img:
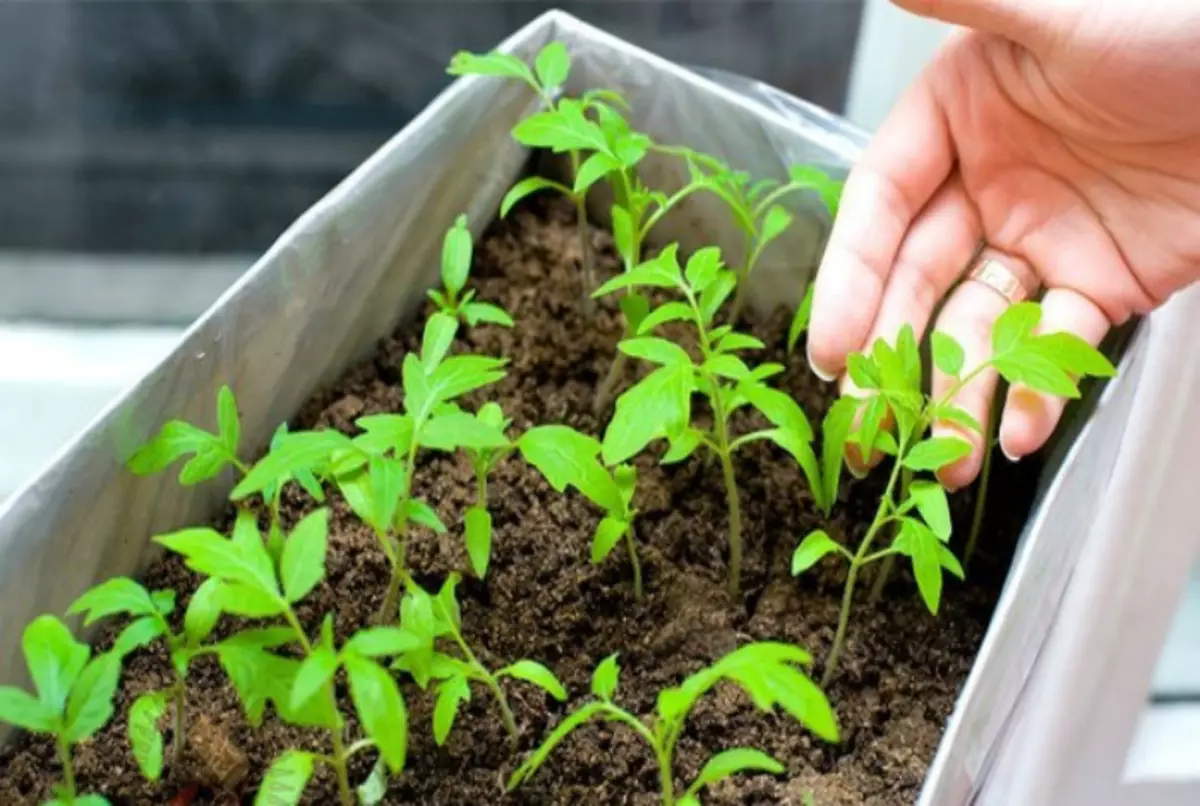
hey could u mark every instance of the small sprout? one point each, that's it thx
(568, 458)
(891, 378)
(451, 300)
(478, 520)
(73, 700)
(770, 673)
(211, 453)
(659, 406)
(424, 619)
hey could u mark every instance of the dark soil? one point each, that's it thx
(900, 675)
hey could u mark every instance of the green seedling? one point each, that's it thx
(425, 621)
(73, 700)
(568, 458)
(659, 406)
(374, 470)
(755, 206)
(890, 378)
(771, 674)
(246, 581)
(457, 251)
(210, 453)
(484, 459)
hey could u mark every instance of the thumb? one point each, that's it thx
(1027, 22)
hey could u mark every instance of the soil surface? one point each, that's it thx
(542, 599)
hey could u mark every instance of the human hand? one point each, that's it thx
(1065, 135)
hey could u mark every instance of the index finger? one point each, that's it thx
(906, 162)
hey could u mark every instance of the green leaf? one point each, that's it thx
(947, 353)
(953, 414)
(380, 708)
(487, 313)
(560, 130)
(920, 544)
(526, 187)
(55, 660)
(726, 366)
(1037, 372)
(827, 188)
(552, 65)
(835, 430)
(625, 239)
(303, 563)
(300, 451)
(682, 446)
(636, 308)
(593, 169)
(478, 536)
(930, 500)
(656, 407)
(738, 341)
(203, 611)
(874, 411)
(386, 485)
(715, 294)
(1014, 326)
(948, 561)
(669, 312)
(90, 704)
(453, 430)
(1074, 355)
(372, 791)
(315, 673)
(543, 751)
(386, 432)
(174, 440)
(800, 449)
(284, 783)
(503, 65)
(604, 678)
(137, 635)
(703, 267)
(460, 374)
(568, 458)
(776, 221)
(447, 604)
(243, 600)
(437, 339)
(377, 642)
(812, 549)
(800, 319)
(117, 595)
(936, 452)
(608, 533)
(228, 423)
(729, 762)
(534, 672)
(779, 408)
(25, 711)
(863, 371)
(450, 694)
(456, 256)
(659, 351)
(661, 271)
(144, 736)
(417, 511)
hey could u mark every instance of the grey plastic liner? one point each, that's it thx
(356, 264)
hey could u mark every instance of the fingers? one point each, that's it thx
(1029, 22)
(1030, 417)
(907, 161)
(968, 317)
(937, 249)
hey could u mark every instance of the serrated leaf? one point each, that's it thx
(144, 737)
(450, 694)
(703, 267)
(815, 546)
(930, 500)
(453, 430)
(779, 408)
(478, 537)
(682, 446)
(561, 130)
(437, 339)
(90, 704)
(1037, 372)
(669, 312)
(659, 351)
(300, 451)
(593, 169)
(863, 372)
(460, 374)
(23, 710)
(117, 595)
(315, 673)
(604, 678)
(1014, 326)
(284, 783)
(552, 65)
(568, 458)
(729, 762)
(936, 453)
(417, 511)
(534, 672)
(503, 65)
(486, 313)
(608, 533)
(386, 432)
(526, 187)
(303, 563)
(656, 407)
(54, 658)
(1073, 354)
(175, 439)
(380, 708)
(138, 634)
(661, 271)
(947, 353)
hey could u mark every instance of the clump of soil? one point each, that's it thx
(900, 674)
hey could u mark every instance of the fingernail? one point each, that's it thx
(820, 373)
(1008, 455)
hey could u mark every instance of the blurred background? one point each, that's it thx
(151, 149)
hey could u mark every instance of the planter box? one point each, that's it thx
(1025, 730)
